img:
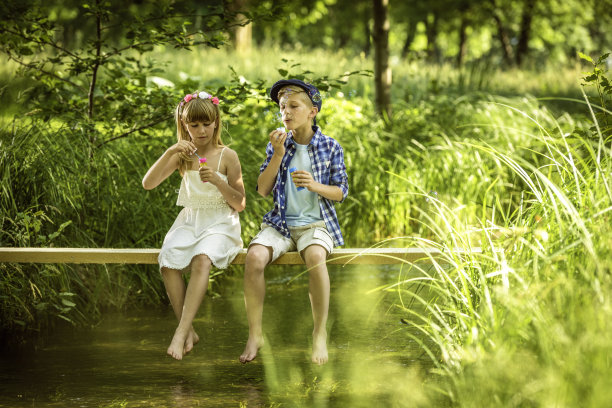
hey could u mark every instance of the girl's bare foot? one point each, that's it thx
(252, 347)
(177, 345)
(192, 339)
(319, 348)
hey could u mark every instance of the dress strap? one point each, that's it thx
(220, 158)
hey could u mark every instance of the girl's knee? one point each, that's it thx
(170, 272)
(201, 262)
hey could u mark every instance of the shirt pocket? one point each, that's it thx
(321, 172)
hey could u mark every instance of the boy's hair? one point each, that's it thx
(289, 89)
(297, 85)
(196, 110)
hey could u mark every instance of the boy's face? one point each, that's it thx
(296, 112)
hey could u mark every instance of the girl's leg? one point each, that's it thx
(175, 287)
(196, 289)
(256, 260)
(318, 290)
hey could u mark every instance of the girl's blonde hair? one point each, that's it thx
(196, 110)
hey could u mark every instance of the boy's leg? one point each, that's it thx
(258, 256)
(196, 289)
(318, 291)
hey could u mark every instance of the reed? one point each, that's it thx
(524, 323)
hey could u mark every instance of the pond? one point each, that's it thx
(122, 361)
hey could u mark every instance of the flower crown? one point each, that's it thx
(200, 95)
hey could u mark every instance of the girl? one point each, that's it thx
(207, 230)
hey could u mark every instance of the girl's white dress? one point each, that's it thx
(206, 225)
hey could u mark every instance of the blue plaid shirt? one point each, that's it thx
(327, 159)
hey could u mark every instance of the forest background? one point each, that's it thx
(465, 123)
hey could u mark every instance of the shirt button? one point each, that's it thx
(285, 168)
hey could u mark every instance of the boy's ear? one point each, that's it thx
(316, 110)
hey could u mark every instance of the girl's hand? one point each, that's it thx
(185, 147)
(277, 138)
(302, 178)
(208, 174)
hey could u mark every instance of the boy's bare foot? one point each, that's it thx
(177, 346)
(192, 339)
(319, 348)
(252, 347)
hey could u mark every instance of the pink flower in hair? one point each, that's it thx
(188, 97)
(215, 100)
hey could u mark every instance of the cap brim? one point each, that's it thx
(279, 84)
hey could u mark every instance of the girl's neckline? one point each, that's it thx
(216, 171)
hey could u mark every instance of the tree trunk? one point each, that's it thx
(462, 41)
(241, 33)
(410, 34)
(368, 34)
(504, 39)
(522, 48)
(382, 71)
(431, 29)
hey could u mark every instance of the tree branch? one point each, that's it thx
(53, 44)
(41, 70)
(94, 74)
(148, 125)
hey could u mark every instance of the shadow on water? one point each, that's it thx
(122, 361)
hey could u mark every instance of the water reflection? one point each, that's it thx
(122, 362)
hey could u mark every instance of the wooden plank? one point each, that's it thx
(371, 256)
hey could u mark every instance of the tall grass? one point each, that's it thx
(527, 322)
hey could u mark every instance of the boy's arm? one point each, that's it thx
(330, 192)
(337, 190)
(338, 176)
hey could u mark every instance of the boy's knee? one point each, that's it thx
(257, 257)
(314, 255)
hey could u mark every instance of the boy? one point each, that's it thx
(303, 216)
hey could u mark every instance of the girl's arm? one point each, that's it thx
(233, 190)
(166, 164)
(267, 178)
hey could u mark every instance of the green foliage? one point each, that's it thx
(526, 318)
(104, 86)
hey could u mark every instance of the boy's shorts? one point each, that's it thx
(301, 238)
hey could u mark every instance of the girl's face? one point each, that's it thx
(295, 112)
(201, 133)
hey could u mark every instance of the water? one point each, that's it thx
(122, 361)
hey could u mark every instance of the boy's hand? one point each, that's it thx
(277, 138)
(302, 178)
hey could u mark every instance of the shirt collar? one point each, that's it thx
(314, 141)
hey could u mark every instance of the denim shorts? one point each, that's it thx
(301, 238)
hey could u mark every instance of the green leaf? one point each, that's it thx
(68, 303)
(585, 57)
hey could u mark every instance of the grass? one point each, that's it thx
(526, 324)
(472, 159)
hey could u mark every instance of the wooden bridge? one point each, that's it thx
(342, 256)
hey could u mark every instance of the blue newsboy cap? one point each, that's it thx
(311, 91)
